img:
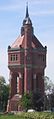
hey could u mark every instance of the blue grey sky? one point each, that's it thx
(12, 13)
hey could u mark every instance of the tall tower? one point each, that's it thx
(26, 62)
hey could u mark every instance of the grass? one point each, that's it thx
(34, 115)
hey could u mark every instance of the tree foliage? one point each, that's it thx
(4, 93)
(49, 93)
(26, 101)
(32, 100)
(49, 85)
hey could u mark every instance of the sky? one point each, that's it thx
(12, 13)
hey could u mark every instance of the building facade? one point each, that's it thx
(26, 62)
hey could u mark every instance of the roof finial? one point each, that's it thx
(27, 15)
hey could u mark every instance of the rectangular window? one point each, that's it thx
(11, 57)
(41, 57)
(14, 57)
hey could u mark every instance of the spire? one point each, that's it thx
(27, 18)
(27, 14)
(27, 21)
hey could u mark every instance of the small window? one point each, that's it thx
(11, 57)
(41, 57)
(14, 57)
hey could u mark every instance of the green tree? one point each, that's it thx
(26, 101)
(49, 93)
(49, 85)
(4, 93)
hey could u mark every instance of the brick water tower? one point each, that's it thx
(26, 62)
